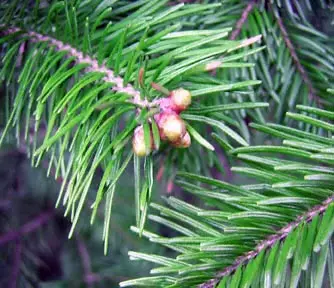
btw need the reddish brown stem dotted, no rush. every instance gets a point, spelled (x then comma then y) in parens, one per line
(89, 276)
(92, 63)
(16, 265)
(27, 228)
(269, 242)
(299, 66)
(238, 26)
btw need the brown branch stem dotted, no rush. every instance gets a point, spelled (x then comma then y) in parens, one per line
(238, 26)
(293, 53)
(93, 64)
(269, 242)
(16, 264)
(27, 228)
(89, 276)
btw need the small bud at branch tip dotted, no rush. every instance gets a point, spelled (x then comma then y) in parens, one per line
(181, 99)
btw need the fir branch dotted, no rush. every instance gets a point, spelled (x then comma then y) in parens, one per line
(27, 228)
(89, 276)
(299, 66)
(16, 264)
(270, 241)
(81, 58)
(235, 33)
(247, 42)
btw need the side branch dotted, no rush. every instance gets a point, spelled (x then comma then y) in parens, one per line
(27, 228)
(89, 276)
(235, 33)
(300, 68)
(81, 58)
(269, 242)
(16, 264)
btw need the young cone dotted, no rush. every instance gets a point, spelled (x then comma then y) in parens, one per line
(172, 127)
(184, 142)
(138, 143)
(181, 99)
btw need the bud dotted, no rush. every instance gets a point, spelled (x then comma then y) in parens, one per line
(138, 143)
(181, 99)
(184, 142)
(171, 126)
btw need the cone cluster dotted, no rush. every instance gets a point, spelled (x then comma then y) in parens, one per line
(171, 126)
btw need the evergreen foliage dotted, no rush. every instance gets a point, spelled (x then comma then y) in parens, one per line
(292, 200)
(80, 76)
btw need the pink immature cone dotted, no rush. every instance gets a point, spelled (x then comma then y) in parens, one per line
(184, 142)
(138, 143)
(172, 127)
(180, 99)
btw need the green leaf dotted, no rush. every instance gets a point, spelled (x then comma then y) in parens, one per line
(57, 79)
(224, 87)
(218, 125)
(137, 177)
(224, 144)
(312, 121)
(199, 138)
(272, 149)
(156, 134)
(272, 257)
(226, 107)
(189, 220)
(147, 137)
(99, 193)
(326, 228)
(320, 266)
(316, 111)
(148, 281)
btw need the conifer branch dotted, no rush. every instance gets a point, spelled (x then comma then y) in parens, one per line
(89, 276)
(212, 66)
(81, 58)
(270, 241)
(16, 264)
(27, 228)
(235, 33)
(299, 66)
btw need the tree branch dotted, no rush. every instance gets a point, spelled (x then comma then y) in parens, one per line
(27, 228)
(269, 242)
(80, 58)
(89, 276)
(300, 68)
(238, 26)
(16, 264)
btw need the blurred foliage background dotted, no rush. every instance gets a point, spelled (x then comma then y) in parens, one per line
(34, 248)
